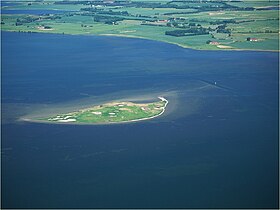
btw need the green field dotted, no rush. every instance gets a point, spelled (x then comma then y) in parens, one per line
(115, 112)
(192, 24)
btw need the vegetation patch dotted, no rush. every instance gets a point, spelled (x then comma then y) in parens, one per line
(188, 23)
(114, 112)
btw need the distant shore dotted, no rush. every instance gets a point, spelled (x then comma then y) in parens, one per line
(105, 123)
(186, 46)
(146, 38)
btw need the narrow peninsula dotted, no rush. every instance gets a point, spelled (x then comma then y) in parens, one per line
(113, 112)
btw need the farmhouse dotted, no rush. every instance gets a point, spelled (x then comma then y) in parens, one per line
(252, 39)
(162, 21)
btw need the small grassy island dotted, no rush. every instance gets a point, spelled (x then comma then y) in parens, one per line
(114, 112)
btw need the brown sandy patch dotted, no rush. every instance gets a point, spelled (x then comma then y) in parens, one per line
(224, 47)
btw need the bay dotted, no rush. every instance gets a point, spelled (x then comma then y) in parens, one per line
(215, 147)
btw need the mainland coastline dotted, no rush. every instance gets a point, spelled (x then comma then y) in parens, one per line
(184, 46)
(208, 26)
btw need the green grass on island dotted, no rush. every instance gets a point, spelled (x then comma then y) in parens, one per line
(208, 25)
(114, 112)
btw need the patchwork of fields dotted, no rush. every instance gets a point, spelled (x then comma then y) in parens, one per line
(213, 25)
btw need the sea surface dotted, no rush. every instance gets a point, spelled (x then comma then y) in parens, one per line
(216, 146)
(7, 3)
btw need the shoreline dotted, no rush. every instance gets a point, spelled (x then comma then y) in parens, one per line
(181, 45)
(105, 123)
(139, 37)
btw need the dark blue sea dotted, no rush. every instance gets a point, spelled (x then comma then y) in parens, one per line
(216, 146)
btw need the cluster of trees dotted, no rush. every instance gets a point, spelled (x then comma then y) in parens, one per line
(30, 19)
(257, 32)
(27, 32)
(151, 24)
(218, 22)
(104, 12)
(181, 23)
(184, 25)
(51, 17)
(83, 25)
(187, 32)
(143, 16)
(101, 14)
(111, 20)
(196, 28)
(181, 13)
(223, 29)
(246, 8)
(27, 19)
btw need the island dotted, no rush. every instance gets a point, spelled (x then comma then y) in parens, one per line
(113, 112)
